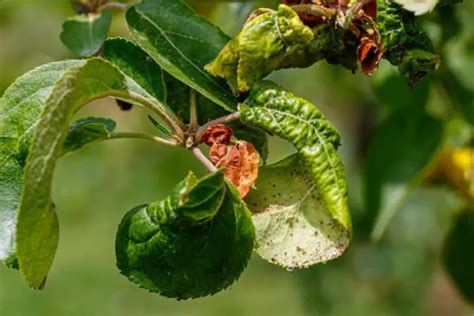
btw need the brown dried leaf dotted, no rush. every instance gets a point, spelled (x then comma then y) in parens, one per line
(369, 55)
(217, 134)
(240, 161)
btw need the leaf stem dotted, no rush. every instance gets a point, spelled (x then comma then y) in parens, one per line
(203, 159)
(193, 119)
(221, 120)
(169, 117)
(156, 139)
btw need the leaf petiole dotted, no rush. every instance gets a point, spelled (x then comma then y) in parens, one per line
(203, 159)
(156, 139)
(193, 119)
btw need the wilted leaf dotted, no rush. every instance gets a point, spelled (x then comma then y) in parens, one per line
(217, 134)
(85, 34)
(164, 248)
(293, 226)
(261, 47)
(240, 161)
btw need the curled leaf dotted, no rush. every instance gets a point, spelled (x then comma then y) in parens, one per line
(217, 134)
(369, 55)
(293, 225)
(240, 161)
(261, 47)
(280, 113)
(407, 46)
(194, 243)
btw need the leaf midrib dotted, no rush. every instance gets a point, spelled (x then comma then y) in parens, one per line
(163, 33)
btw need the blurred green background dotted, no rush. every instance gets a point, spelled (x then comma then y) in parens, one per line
(398, 275)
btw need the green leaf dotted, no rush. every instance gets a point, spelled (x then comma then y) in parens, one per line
(20, 109)
(262, 46)
(86, 131)
(279, 112)
(407, 46)
(293, 225)
(163, 129)
(85, 34)
(402, 147)
(457, 257)
(182, 43)
(37, 228)
(136, 64)
(194, 243)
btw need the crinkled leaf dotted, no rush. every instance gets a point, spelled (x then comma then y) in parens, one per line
(189, 259)
(182, 43)
(240, 161)
(407, 46)
(20, 109)
(293, 226)
(457, 255)
(279, 112)
(402, 147)
(37, 229)
(85, 34)
(86, 131)
(261, 47)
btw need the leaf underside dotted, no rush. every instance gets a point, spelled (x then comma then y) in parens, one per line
(37, 231)
(20, 109)
(293, 226)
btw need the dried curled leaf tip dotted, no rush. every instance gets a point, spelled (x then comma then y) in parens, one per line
(239, 159)
(217, 134)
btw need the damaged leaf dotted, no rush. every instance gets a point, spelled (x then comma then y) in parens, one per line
(194, 243)
(294, 228)
(261, 47)
(239, 159)
(407, 46)
(280, 113)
